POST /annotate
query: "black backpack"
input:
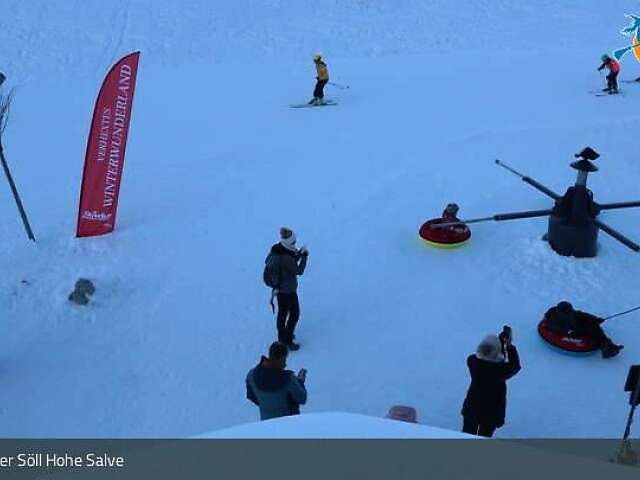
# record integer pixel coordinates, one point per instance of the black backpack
(271, 274)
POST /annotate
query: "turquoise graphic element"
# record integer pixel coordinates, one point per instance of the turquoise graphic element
(630, 31)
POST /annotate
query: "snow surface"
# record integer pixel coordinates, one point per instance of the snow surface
(334, 425)
(216, 163)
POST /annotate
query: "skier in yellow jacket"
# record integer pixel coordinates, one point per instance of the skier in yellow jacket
(322, 78)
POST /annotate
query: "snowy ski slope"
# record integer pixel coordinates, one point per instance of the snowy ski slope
(217, 162)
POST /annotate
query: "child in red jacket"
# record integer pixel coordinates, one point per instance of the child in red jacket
(612, 78)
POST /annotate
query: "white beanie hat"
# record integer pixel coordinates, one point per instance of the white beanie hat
(288, 239)
(490, 349)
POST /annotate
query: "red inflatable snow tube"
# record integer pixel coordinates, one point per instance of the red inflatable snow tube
(450, 237)
(571, 344)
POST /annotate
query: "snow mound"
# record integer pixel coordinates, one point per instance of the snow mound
(334, 425)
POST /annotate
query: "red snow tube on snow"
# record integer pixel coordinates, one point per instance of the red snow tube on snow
(403, 414)
(568, 343)
(451, 237)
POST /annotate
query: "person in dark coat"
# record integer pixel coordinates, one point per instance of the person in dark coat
(278, 392)
(494, 362)
(563, 319)
(292, 264)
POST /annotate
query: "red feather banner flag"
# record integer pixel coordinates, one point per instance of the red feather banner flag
(104, 160)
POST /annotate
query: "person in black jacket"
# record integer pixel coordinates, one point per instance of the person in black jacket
(495, 361)
(563, 319)
(292, 264)
(278, 392)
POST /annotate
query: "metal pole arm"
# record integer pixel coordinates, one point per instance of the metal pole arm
(527, 214)
(497, 218)
(462, 222)
(621, 313)
(617, 235)
(534, 183)
(612, 206)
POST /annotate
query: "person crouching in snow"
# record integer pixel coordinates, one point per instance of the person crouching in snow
(564, 320)
(612, 77)
(496, 360)
(322, 77)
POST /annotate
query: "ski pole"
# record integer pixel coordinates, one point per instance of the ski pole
(621, 313)
(337, 85)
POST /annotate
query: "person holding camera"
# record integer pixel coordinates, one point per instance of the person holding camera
(291, 264)
(496, 360)
(278, 392)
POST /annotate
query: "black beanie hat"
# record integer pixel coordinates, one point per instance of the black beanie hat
(565, 307)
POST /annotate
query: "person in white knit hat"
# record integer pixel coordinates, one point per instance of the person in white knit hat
(496, 360)
(288, 262)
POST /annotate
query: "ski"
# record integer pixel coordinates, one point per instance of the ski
(637, 80)
(600, 93)
(328, 103)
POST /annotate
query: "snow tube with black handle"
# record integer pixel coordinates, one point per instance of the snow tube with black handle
(451, 237)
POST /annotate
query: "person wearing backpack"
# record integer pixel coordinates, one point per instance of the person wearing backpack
(283, 265)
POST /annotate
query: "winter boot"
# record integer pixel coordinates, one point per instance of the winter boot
(320, 101)
(610, 349)
(608, 89)
(313, 101)
(293, 346)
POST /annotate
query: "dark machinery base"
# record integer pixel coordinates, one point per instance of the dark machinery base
(573, 240)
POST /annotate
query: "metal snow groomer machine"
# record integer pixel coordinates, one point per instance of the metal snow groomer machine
(573, 221)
